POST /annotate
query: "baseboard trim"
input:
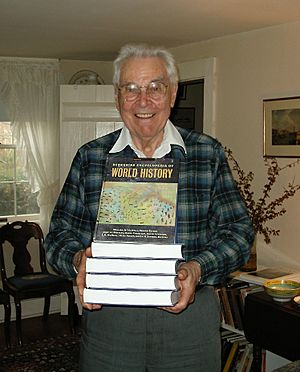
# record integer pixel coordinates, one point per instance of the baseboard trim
(33, 308)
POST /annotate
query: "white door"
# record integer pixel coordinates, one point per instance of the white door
(86, 112)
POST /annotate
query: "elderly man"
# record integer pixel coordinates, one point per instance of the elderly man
(213, 225)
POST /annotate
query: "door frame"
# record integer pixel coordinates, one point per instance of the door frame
(205, 69)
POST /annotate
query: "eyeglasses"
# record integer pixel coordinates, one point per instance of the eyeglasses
(155, 90)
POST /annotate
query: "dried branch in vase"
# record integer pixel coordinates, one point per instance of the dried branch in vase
(263, 210)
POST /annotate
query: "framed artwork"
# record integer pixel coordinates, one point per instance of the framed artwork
(282, 127)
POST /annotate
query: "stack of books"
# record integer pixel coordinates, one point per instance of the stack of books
(237, 353)
(134, 253)
(132, 274)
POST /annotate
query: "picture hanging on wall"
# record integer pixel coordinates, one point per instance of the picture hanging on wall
(282, 127)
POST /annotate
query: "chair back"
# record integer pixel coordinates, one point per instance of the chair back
(18, 235)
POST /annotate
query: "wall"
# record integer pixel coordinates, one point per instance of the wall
(250, 67)
(70, 67)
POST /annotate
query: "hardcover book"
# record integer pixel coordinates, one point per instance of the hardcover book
(131, 266)
(131, 297)
(131, 281)
(138, 201)
(136, 250)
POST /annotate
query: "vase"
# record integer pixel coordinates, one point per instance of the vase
(251, 264)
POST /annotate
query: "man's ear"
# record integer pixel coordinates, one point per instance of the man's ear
(117, 102)
(174, 94)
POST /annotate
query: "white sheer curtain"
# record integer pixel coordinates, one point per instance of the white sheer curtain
(30, 88)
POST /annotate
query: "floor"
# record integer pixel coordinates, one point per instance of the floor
(34, 329)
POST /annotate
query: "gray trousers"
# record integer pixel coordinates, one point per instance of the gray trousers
(137, 339)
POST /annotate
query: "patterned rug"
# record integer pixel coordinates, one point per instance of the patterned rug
(57, 354)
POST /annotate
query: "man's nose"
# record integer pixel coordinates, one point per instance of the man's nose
(143, 96)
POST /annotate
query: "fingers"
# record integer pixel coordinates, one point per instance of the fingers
(187, 296)
(189, 270)
(187, 279)
(80, 281)
(88, 252)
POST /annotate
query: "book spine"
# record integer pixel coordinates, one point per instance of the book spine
(226, 306)
(231, 356)
(233, 299)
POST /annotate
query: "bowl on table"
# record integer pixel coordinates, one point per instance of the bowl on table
(282, 290)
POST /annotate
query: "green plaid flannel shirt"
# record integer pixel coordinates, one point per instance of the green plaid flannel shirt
(213, 223)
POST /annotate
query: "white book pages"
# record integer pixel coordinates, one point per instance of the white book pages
(146, 282)
(136, 250)
(130, 266)
(130, 298)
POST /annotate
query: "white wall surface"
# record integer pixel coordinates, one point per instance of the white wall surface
(70, 67)
(250, 67)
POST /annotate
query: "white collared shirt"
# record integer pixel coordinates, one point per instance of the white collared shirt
(171, 137)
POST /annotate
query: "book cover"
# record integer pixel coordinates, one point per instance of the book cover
(130, 298)
(131, 281)
(236, 311)
(131, 266)
(138, 201)
(244, 359)
(231, 356)
(136, 250)
(226, 306)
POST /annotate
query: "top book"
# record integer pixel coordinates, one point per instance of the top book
(138, 201)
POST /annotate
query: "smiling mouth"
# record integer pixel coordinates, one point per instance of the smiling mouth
(144, 116)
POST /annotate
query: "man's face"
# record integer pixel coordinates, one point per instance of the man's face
(144, 116)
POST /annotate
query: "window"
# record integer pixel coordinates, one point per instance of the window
(15, 195)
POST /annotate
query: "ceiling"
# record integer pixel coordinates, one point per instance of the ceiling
(96, 29)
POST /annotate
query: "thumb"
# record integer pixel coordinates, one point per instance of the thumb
(88, 252)
(182, 273)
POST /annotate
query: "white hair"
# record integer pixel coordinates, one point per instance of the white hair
(143, 51)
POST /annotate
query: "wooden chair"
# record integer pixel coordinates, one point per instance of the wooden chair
(5, 300)
(27, 283)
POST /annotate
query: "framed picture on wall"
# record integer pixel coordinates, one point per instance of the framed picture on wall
(282, 127)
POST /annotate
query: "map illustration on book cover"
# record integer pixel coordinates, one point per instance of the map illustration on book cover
(138, 201)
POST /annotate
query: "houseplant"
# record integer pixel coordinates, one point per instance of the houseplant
(265, 208)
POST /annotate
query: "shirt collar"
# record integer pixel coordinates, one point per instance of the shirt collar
(171, 137)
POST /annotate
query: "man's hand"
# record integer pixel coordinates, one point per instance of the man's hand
(188, 276)
(79, 261)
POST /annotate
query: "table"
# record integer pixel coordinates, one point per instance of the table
(272, 326)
